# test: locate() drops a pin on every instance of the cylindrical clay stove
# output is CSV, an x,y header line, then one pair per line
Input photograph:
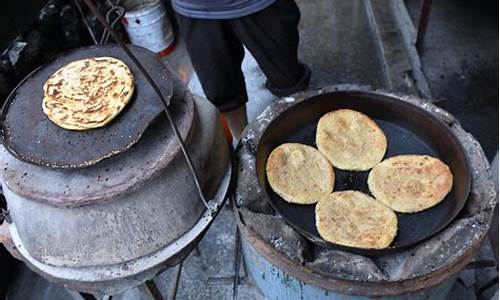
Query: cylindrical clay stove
x,y
285,265
115,224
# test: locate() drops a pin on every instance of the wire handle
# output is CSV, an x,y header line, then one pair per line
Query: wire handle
x,y
165,103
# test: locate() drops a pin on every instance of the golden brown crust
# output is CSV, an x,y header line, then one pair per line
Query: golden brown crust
x,y
87,93
350,140
354,219
299,173
410,183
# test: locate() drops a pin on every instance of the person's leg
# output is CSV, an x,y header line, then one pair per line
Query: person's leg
x,y
216,55
271,35
236,120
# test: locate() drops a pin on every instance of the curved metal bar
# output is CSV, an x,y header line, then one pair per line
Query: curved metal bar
x,y
120,12
164,101
86,22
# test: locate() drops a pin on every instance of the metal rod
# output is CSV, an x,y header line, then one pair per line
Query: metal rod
x,y
85,22
481,264
423,20
153,290
237,261
120,12
174,284
163,101
197,250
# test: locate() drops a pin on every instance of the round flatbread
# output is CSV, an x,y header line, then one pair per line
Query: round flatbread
x,y
410,183
350,140
354,219
87,93
299,173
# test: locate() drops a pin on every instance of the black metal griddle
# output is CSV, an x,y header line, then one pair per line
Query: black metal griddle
x,y
32,137
409,130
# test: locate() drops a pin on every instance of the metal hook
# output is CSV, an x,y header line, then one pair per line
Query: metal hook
x,y
120,12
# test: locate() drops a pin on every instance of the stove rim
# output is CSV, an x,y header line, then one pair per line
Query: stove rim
x,y
432,277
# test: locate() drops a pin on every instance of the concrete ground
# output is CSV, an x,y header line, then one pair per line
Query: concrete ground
x,y
346,42
460,62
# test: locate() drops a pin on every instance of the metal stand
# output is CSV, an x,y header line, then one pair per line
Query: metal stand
x,y
237,263
423,20
86,296
152,289
149,287
174,284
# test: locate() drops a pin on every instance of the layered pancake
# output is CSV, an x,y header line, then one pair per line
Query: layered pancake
x,y
87,93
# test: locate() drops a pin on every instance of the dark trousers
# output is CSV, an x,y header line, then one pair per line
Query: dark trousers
x,y
216,51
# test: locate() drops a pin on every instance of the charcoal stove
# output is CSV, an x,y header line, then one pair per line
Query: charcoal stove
x,y
285,263
112,219
116,224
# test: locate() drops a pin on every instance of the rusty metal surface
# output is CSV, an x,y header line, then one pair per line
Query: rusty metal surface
x,y
114,176
32,137
424,265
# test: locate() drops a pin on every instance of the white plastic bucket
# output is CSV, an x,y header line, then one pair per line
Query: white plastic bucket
x,y
147,25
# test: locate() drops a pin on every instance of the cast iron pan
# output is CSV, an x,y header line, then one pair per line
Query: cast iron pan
x,y
32,137
409,130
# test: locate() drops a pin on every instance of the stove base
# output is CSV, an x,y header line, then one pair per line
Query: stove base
x,y
113,279
273,283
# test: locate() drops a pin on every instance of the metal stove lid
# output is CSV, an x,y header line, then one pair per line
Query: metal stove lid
x,y
30,136
111,177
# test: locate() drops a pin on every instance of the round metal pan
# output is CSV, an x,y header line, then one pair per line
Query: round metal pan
x,y
409,130
32,137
